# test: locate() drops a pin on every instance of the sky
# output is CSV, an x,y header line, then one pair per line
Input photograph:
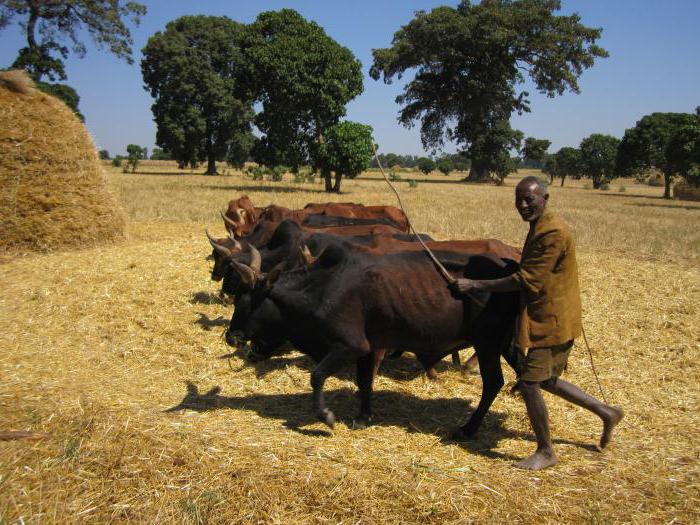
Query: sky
x,y
654,65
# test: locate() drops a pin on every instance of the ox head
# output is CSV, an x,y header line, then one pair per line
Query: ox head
x,y
223,251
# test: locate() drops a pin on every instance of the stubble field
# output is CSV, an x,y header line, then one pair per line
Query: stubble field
x,y
116,357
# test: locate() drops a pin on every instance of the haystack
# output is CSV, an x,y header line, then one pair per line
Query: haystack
x,y
53,193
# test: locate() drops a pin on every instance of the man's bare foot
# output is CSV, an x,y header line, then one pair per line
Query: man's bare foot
x,y
609,422
539,460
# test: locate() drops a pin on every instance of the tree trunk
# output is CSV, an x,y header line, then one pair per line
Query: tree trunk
x,y
667,185
326,174
477,174
563,178
338,177
211,157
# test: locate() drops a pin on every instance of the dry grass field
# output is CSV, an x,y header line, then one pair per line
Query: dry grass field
x,y
115,357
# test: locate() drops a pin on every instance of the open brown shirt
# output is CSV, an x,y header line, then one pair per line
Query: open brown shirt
x,y
550,302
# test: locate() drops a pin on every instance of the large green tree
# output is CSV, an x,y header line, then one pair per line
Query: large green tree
x,y
598,154
647,145
568,163
470,62
346,150
303,80
203,109
684,152
47,24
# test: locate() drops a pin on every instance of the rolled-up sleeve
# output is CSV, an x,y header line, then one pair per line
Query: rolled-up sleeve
x,y
538,263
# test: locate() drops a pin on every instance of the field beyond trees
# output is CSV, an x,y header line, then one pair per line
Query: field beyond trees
x,y
116,357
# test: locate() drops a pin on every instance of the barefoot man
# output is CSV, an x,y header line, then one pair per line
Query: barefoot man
x,y
550,318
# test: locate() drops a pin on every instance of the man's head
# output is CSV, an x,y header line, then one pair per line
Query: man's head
x,y
531,198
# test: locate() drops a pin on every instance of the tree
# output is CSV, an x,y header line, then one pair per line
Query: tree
x,y
549,167
598,154
346,150
425,165
534,151
160,154
60,20
65,93
568,163
135,153
647,145
303,80
469,60
444,165
683,152
194,71
104,154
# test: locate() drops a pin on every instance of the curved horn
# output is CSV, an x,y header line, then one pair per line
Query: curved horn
x,y
306,255
255,259
229,223
218,247
247,274
236,244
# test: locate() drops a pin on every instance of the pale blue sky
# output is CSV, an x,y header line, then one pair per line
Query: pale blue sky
x,y
654,65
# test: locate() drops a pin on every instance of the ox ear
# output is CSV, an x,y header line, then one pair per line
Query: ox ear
x,y
273,275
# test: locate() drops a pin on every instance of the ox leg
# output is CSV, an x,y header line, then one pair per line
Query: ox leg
x,y
455,358
365,378
328,366
492,382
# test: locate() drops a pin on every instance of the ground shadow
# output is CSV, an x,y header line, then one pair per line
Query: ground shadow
x,y
633,196
208,298
650,205
266,189
440,417
208,323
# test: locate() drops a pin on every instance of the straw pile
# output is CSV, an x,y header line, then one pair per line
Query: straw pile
x,y
53,194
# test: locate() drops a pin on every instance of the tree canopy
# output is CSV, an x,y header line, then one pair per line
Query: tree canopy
x,y
469,63
568,163
303,79
648,145
346,150
58,21
598,154
195,71
535,149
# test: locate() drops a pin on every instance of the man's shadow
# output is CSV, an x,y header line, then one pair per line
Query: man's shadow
x,y
439,417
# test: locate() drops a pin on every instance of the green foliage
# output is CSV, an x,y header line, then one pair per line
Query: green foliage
x,y
412,183
598,154
605,186
202,109
104,154
444,165
683,152
65,93
256,172
568,163
651,144
504,164
277,172
622,189
303,80
117,161
135,154
534,151
69,20
468,61
160,154
549,167
425,165
394,177
346,150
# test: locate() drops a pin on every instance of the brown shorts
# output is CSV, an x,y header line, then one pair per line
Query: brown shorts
x,y
545,363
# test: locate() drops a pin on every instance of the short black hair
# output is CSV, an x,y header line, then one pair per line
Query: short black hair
x,y
531,179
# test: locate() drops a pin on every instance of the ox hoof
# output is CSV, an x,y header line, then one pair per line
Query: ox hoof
x,y
432,374
361,422
327,417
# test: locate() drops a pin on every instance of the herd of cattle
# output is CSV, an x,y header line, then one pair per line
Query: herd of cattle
x,y
344,283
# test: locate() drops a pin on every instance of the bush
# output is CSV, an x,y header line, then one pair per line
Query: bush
x,y
117,161
622,189
604,186
276,173
412,183
394,177
256,172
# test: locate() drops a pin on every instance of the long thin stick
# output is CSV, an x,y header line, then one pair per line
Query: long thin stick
x,y
439,265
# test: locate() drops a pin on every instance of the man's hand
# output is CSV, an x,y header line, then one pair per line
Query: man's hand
x,y
464,286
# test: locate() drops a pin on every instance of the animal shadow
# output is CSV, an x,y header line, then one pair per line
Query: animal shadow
x,y
207,323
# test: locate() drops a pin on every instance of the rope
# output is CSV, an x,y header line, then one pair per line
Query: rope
x,y
439,265
595,372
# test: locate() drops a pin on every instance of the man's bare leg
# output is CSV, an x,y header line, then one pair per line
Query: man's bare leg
x,y
537,412
611,416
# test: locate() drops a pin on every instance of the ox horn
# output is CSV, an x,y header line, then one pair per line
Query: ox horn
x,y
306,256
246,272
255,259
229,223
218,247
236,243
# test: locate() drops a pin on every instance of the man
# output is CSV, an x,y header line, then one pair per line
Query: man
x,y
549,320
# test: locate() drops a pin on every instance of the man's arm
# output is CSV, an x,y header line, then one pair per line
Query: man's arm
x,y
505,284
